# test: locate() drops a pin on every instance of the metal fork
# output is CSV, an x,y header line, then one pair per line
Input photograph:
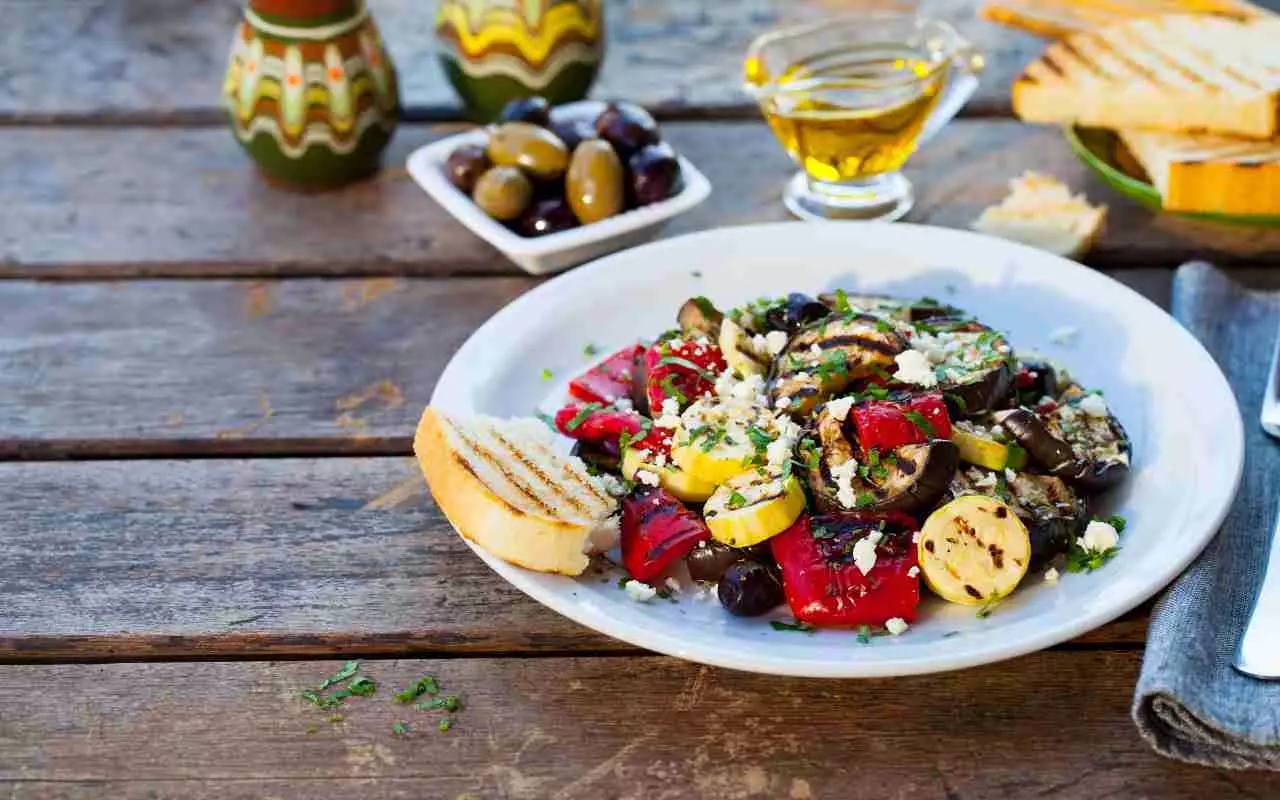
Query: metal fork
x,y
1259,651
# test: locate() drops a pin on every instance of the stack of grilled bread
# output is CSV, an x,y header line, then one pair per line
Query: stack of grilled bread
x,y
1195,99
504,487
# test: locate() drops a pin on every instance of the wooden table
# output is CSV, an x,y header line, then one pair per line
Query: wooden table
x,y
207,393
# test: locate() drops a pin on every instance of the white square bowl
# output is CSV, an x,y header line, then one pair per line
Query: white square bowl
x,y
555,251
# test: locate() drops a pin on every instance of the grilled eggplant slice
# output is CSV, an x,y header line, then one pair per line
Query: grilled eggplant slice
x,y
1088,451
1041,381
1051,511
799,310
828,356
974,364
911,478
699,315
882,305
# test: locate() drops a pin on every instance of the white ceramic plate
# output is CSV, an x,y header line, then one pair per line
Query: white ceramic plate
x,y
555,251
1174,401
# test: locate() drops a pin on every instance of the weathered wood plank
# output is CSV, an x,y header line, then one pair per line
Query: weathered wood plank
x,y
587,728
222,367
268,557
295,367
129,202
153,60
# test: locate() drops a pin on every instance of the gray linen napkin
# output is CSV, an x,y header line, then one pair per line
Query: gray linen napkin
x,y
1190,703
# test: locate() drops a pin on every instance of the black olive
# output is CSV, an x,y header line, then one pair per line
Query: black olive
x,y
708,561
627,127
574,131
547,216
655,174
798,311
534,110
465,166
749,589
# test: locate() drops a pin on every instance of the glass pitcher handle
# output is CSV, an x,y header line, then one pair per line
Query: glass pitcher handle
x,y
962,82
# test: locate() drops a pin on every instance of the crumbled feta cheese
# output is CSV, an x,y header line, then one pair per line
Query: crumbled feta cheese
x,y
749,388
913,367
1098,537
915,537
672,585
997,430
843,475
864,552
775,342
1093,405
675,344
611,485
759,343
778,453
660,460
605,535
646,477
783,402
814,350
1050,575
896,626
623,404
914,571
706,593
725,383
1065,336
1010,475
640,592
839,409
702,341
987,481
932,346
670,416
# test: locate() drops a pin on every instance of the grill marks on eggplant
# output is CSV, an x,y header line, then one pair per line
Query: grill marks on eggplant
x,y
1089,452
975,383
828,356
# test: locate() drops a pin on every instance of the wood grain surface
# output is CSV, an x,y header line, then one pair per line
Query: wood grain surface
x,y
130,202
1049,725
260,558
163,61
216,367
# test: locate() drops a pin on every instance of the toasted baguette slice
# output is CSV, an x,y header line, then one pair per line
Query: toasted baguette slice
x,y
502,486
1209,174
1042,212
1180,73
1058,18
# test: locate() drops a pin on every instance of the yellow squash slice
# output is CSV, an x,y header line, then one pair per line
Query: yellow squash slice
x,y
974,550
752,507
675,480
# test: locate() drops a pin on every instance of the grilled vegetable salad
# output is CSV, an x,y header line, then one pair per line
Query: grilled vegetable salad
x,y
841,454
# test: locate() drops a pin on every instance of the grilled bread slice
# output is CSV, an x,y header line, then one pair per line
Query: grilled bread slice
x,y
1209,174
1058,18
1042,212
1180,73
502,486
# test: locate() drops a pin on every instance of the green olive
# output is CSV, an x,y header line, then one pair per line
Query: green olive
x,y
594,186
536,150
503,193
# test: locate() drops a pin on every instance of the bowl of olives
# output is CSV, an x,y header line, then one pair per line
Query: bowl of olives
x,y
555,187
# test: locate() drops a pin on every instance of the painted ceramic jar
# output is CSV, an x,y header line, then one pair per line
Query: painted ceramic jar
x,y
494,51
311,91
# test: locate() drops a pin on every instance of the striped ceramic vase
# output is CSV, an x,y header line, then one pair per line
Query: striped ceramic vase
x,y
311,91
496,50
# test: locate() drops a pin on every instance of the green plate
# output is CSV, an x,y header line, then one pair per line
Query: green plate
x,y
1099,149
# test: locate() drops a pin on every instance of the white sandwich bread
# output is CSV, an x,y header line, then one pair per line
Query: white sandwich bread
x,y
1042,212
1180,73
503,487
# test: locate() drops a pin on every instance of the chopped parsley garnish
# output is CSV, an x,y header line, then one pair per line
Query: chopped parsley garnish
x,y
1116,521
424,685
918,419
669,388
707,307
348,669
547,374
958,400
712,437
834,362
759,439
794,627
736,500
590,350
360,686
1081,560
684,363
990,606
449,703
820,532
582,416
865,499
1017,457
842,302
865,634
883,326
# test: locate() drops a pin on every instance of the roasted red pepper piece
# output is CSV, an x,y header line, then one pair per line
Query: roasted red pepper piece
x,y
1025,379
657,530
609,380
599,424
823,585
683,369
889,424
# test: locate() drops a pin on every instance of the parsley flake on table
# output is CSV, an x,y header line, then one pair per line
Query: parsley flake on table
x,y
590,350
444,725
424,685
794,627
400,729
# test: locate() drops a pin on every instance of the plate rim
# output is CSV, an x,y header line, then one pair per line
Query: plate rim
x,y
663,641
